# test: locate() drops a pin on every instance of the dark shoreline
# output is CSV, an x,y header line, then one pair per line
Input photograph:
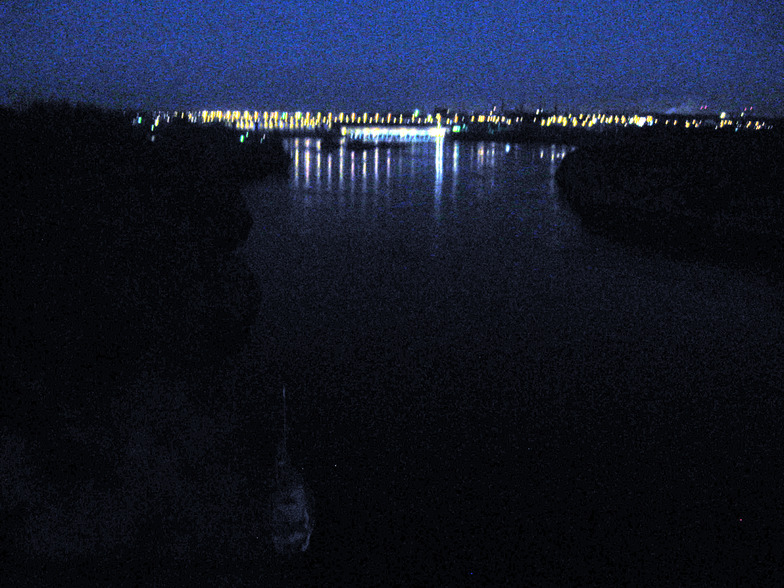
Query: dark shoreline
x,y
122,271
719,198
111,234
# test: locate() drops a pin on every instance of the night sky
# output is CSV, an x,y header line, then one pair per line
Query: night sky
x,y
356,54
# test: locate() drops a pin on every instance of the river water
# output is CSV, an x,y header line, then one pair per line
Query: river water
x,y
479,389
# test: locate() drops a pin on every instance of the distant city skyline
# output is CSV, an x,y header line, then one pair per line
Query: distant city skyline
x,y
445,122
581,55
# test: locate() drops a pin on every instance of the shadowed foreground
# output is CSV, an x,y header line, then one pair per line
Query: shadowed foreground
x,y
121,290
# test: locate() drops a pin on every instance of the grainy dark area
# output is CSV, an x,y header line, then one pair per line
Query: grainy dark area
x,y
487,396
119,261
707,195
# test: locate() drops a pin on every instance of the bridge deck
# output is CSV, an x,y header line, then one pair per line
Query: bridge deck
x,y
394,133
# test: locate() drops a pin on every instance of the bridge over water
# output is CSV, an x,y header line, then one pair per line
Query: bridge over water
x,y
394,134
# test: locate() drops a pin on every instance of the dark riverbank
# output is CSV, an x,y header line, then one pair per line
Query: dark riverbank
x,y
122,242
532,131
121,268
719,197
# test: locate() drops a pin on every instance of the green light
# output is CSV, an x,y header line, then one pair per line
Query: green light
x,y
456,129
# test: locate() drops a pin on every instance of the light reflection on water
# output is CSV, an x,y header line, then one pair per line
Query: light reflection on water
x,y
443,178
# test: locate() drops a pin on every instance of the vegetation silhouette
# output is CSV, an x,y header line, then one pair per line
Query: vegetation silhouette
x,y
125,242
708,196
120,243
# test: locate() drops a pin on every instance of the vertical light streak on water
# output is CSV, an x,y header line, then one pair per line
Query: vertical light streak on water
x,y
555,160
329,171
318,171
439,180
389,166
296,163
388,177
553,168
306,166
353,177
455,166
307,196
341,176
363,192
376,178
364,171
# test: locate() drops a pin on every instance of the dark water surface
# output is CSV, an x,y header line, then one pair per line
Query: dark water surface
x,y
481,391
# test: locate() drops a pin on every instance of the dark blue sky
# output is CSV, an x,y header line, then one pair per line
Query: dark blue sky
x,y
356,54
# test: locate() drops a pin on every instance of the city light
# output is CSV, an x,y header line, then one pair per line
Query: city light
x,y
449,122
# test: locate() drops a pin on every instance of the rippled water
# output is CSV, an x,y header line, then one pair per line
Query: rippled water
x,y
464,359
445,180
485,218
